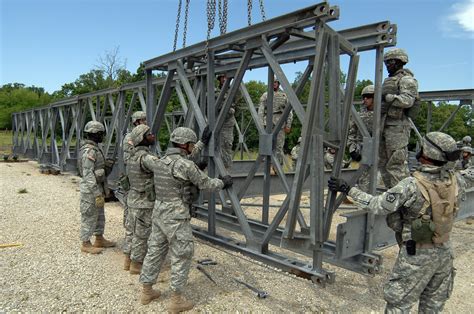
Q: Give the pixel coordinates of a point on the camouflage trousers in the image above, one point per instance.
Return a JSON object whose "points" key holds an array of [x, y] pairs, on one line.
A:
{"points": [[92, 217], [127, 243], [426, 277], [175, 238], [140, 219], [280, 142], [393, 154], [226, 140]]}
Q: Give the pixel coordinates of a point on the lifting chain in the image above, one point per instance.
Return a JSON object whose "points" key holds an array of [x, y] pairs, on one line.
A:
{"points": [[178, 15], [262, 10], [185, 27], [223, 16], [211, 18], [249, 12]]}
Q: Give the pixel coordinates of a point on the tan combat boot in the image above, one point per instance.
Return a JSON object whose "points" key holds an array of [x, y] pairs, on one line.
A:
{"points": [[148, 294], [179, 304], [135, 268], [100, 241], [88, 248], [470, 220], [126, 263]]}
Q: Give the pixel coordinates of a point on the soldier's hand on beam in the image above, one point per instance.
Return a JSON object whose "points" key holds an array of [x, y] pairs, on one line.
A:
{"points": [[227, 181], [355, 156], [338, 185], [206, 135]]}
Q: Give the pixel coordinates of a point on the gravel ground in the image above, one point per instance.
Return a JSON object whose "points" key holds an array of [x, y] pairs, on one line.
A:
{"points": [[49, 273]]}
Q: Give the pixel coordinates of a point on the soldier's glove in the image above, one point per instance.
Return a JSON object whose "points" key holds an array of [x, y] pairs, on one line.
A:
{"points": [[201, 164], [192, 211], [227, 181], [109, 165], [338, 185], [389, 98], [355, 156], [99, 201], [206, 135]]}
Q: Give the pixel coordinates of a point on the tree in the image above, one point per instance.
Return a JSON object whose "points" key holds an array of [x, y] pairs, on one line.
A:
{"points": [[111, 64]]}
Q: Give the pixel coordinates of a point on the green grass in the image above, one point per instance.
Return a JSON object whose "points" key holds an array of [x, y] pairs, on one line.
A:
{"points": [[6, 138]]}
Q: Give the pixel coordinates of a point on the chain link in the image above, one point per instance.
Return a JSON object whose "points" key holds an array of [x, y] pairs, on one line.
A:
{"points": [[249, 12], [222, 8], [185, 27], [178, 15], [262, 10]]}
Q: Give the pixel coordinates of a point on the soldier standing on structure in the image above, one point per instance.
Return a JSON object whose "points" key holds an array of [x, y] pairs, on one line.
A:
{"points": [[354, 140], [171, 228], [280, 101], [138, 118], [141, 196], [465, 167], [93, 185], [399, 93], [466, 141], [226, 136], [295, 152], [422, 208]]}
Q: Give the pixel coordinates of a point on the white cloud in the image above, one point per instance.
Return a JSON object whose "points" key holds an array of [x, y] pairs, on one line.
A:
{"points": [[460, 23]]}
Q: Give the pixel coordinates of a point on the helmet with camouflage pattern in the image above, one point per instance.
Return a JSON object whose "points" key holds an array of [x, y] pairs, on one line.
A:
{"points": [[466, 139], [183, 135], [94, 127], [138, 133], [440, 146], [138, 115], [368, 90], [467, 149], [397, 54]]}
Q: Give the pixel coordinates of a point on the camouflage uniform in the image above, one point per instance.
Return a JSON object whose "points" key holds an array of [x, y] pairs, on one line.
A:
{"points": [[328, 160], [295, 152], [91, 165], [355, 139], [400, 91], [428, 275], [226, 136], [140, 199], [127, 148], [171, 227], [280, 101]]}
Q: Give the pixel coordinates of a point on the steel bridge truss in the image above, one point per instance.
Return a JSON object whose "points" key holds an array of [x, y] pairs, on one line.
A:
{"points": [[50, 134]]}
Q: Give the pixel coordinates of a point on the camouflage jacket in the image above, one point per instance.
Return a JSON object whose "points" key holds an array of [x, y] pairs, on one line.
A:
{"points": [[172, 174], [404, 87], [127, 147], [405, 197], [140, 178], [230, 117], [354, 139], [92, 169], [280, 101]]}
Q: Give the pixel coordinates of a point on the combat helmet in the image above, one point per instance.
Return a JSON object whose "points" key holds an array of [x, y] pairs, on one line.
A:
{"points": [[467, 139], [138, 115], [440, 146], [467, 149], [368, 90], [182, 135], [94, 127], [138, 133], [396, 53]]}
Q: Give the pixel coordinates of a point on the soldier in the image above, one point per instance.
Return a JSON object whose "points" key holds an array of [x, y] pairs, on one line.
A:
{"points": [[138, 118], [465, 168], [354, 140], [329, 155], [421, 208], [141, 196], [171, 228], [280, 101], [91, 166], [226, 136], [400, 91], [466, 140], [295, 151]]}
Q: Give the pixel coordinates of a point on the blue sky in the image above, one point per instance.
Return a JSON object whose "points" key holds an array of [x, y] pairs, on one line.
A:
{"points": [[51, 42]]}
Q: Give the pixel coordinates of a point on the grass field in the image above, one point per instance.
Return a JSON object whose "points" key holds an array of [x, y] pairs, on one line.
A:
{"points": [[5, 142]]}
